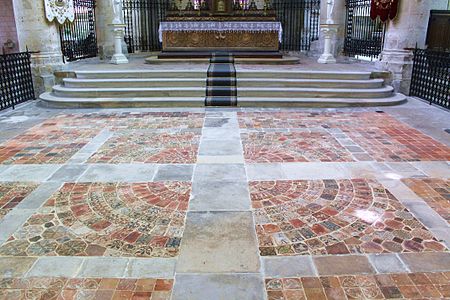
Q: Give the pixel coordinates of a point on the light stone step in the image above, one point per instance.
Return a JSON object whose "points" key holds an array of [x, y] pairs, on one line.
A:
{"points": [[383, 92], [310, 83], [134, 82], [49, 99], [395, 99], [282, 74], [107, 74], [62, 91]]}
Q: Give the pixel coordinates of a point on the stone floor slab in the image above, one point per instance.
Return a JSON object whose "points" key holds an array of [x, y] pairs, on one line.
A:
{"points": [[314, 171], [427, 262], [343, 265], [219, 242], [214, 286], [221, 133], [56, 267], [151, 268], [387, 263], [68, 173], [220, 172], [29, 173], [437, 169], [293, 266], [214, 196], [220, 147], [103, 267], [39, 195], [174, 172], [119, 173], [264, 172], [15, 266]]}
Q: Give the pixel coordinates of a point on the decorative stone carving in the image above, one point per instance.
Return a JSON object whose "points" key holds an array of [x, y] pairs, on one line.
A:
{"points": [[62, 10], [117, 10]]}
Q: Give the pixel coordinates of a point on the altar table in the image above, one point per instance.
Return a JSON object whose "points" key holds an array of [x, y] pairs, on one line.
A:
{"points": [[209, 35]]}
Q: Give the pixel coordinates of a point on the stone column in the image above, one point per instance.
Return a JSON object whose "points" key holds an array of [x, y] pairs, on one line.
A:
{"points": [[402, 34], [338, 16], [36, 33], [105, 36]]}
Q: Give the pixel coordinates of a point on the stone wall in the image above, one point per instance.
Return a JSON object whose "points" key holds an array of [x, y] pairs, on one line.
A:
{"points": [[8, 30]]}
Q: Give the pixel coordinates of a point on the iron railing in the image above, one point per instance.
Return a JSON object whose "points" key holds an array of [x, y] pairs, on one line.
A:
{"points": [[364, 36], [79, 39], [142, 18], [431, 76], [16, 82], [300, 20]]}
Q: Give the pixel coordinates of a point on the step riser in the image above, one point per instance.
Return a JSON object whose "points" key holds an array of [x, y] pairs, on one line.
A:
{"points": [[346, 85], [293, 75], [315, 94], [141, 75], [130, 94], [134, 84]]}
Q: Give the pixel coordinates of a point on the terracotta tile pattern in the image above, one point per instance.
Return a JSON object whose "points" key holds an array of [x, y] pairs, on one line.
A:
{"points": [[271, 147], [149, 147], [329, 217], [11, 194], [106, 219], [386, 286], [85, 288], [383, 137], [435, 192]]}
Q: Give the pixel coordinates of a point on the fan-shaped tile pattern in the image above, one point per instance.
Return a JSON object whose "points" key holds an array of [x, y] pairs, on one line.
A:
{"points": [[11, 194]]}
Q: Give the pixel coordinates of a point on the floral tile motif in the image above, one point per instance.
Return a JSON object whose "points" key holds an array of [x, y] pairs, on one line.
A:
{"points": [[328, 217], [270, 147], [381, 136], [149, 147], [385, 286], [11, 194], [435, 192], [85, 288], [106, 219]]}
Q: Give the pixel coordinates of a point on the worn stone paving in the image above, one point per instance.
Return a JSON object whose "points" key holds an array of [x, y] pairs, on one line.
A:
{"points": [[191, 203]]}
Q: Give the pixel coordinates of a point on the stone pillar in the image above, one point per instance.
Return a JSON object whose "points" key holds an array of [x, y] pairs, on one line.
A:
{"points": [[8, 32], [36, 33], [402, 34], [105, 36], [338, 16]]}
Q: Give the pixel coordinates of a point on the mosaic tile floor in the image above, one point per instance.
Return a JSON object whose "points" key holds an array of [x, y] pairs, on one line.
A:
{"points": [[143, 219], [223, 203], [11, 194], [163, 148], [436, 192], [334, 217], [386, 286], [368, 135], [85, 288]]}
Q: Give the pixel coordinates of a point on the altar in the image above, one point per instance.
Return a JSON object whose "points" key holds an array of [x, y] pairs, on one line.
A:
{"points": [[220, 25]]}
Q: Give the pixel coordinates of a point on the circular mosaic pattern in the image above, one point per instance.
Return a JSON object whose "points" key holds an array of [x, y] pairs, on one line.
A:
{"points": [[93, 219], [334, 217]]}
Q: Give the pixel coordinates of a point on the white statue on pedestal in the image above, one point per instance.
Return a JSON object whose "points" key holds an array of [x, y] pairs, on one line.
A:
{"points": [[117, 10], [329, 30], [330, 8]]}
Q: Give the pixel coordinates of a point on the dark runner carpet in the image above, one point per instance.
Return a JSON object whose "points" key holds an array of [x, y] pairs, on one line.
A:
{"points": [[221, 89]]}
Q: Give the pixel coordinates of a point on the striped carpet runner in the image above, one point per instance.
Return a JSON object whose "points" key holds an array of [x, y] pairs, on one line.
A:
{"points": [[221, 89]]}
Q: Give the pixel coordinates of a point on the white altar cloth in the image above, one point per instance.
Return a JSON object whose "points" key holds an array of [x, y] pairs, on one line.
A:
{"points": [[220, 26]]}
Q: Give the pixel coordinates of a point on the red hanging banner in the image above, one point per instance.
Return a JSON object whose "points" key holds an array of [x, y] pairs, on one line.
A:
{"points": [[384, 9]]}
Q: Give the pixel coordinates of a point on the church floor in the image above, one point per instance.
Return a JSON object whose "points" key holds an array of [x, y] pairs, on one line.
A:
{"points": [[221, 203]]}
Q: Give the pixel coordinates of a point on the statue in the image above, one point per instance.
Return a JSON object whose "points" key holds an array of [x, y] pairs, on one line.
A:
{"points": [[221, 6], [330, 8], [117, 10]]}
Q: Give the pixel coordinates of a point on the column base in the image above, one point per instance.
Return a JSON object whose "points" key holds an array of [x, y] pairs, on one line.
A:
{"points": [[119, 59], [400, 63], [326, 59]]}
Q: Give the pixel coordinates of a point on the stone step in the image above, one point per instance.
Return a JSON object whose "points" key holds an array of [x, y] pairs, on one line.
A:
{"points": [[49, 99], [382, 92], [201, 82], [311, 83], [201, 73], [63, 91], [395, 99], [134, 82]]}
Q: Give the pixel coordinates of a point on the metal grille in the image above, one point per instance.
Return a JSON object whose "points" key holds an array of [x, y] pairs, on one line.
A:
{"points": [[78, 39], [16, 82], [300, 21], [364, 36], [142, 18], [431, 76]]}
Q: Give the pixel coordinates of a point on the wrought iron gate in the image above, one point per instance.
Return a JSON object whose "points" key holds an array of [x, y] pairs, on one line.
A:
{"points": [[79, 39], [300, 21], [142, 18], [431, 76], [364, 36], [16, 82]]}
